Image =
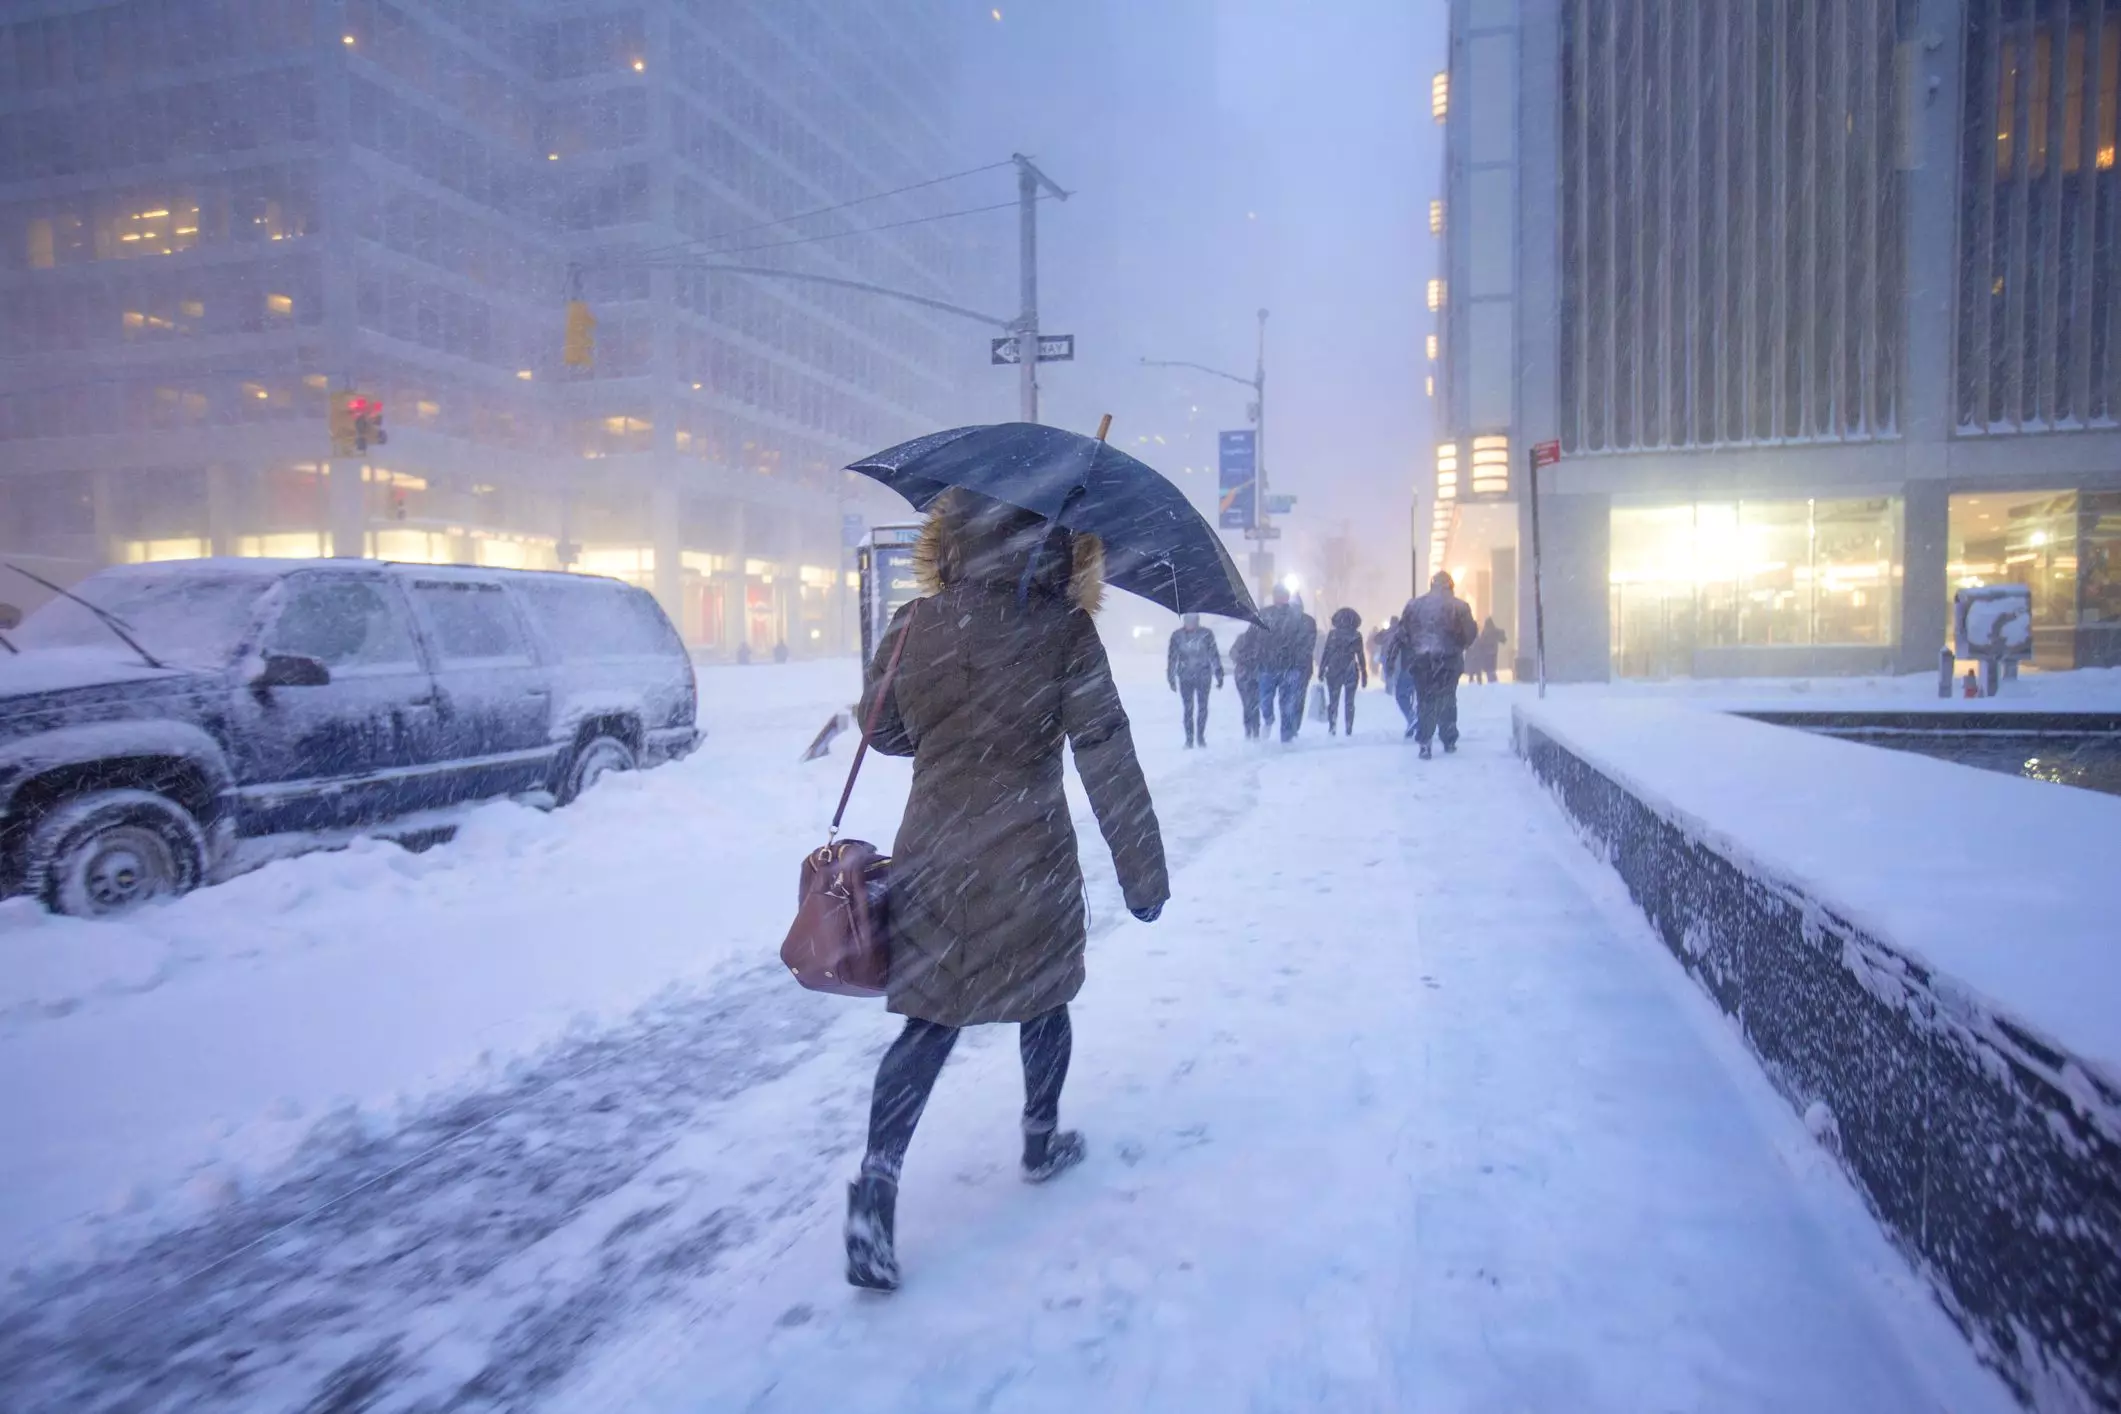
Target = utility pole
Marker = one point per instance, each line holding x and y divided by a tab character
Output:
1262	532
1263	557
1030	181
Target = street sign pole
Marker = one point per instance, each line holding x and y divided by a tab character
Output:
1027	256
1259	421
1029	181
1542	454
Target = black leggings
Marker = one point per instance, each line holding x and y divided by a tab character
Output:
910	1066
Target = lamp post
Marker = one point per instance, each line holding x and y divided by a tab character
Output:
1262	531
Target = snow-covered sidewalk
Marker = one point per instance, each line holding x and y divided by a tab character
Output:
1398	1107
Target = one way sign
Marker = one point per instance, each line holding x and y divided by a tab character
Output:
1052	348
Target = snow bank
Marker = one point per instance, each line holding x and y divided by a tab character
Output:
1923	958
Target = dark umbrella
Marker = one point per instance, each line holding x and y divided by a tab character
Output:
1156	544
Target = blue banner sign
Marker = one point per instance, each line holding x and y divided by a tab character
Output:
1238	506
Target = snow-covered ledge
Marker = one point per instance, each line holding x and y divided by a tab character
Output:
1926	958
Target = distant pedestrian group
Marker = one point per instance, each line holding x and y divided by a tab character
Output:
1421	655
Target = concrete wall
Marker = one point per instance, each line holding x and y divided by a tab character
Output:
1992	1159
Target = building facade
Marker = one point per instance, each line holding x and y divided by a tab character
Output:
1821	300
215	213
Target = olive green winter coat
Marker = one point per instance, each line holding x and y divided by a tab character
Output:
987	918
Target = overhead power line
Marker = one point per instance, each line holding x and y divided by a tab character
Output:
865	230
857	201
684	246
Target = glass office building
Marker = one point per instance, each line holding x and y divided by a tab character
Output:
215	212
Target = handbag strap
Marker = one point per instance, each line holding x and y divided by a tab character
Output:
869	727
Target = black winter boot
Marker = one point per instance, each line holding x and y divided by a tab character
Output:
872	1216
1046	1155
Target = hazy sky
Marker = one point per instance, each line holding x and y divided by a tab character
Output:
1224	155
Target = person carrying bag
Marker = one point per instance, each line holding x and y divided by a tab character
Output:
987	679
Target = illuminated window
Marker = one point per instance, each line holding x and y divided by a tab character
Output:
1430	383
1446	472
1491	465
43	244
1435	294
524	374
1432	348
155	230
1436	216
145	552
282	305
1440	95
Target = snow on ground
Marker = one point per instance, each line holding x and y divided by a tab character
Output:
1399	1106
167	1057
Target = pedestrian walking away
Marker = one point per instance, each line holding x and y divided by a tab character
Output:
1399	678
1290	640
1191	663
1435	630
987	919
1485	656
1244	667
1345	668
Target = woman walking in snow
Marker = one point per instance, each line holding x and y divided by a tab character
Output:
1343	665
1002	665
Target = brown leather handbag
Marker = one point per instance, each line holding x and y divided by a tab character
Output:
841	939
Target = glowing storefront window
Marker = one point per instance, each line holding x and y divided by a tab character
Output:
294	545
145	552
1750	574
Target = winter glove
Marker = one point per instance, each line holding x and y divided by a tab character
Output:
1149	914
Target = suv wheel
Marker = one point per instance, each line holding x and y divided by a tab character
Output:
598	757
110	851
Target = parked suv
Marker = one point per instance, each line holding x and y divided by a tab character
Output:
161	726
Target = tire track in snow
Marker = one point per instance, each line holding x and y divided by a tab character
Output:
329	1313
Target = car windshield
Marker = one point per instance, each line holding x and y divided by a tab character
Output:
189	618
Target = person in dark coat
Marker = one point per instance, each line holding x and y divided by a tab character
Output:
1244	667
1393	667
1435	630
1285	662
1191	661
1002	669
1344	666
1485	656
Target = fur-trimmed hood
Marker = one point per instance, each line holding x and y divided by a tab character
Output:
970	538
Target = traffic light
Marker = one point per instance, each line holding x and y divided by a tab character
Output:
368	423
356	424
342	425
580	347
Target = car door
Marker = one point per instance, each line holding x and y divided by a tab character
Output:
342	752
493	725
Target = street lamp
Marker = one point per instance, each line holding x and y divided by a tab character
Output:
1262	530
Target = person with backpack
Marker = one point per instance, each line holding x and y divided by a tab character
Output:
1435	630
